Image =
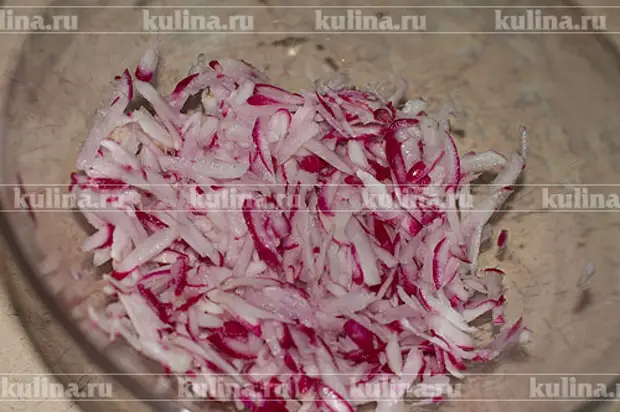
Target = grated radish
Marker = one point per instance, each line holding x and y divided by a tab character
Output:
303	244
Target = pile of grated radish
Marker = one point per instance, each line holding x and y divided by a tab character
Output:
325	276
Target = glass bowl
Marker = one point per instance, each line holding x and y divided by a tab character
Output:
563	87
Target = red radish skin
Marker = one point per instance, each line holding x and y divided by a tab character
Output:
128	84
265	252
260	141
148	64
395	157
293	277
182	85
502	239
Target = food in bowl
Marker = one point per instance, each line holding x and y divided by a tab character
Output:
296	246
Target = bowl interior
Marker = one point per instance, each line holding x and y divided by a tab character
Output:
564	88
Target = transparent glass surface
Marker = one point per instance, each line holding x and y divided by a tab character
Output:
565	88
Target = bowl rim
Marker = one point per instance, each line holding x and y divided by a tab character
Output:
62	317
32	275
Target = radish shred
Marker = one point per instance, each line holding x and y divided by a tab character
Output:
335	256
